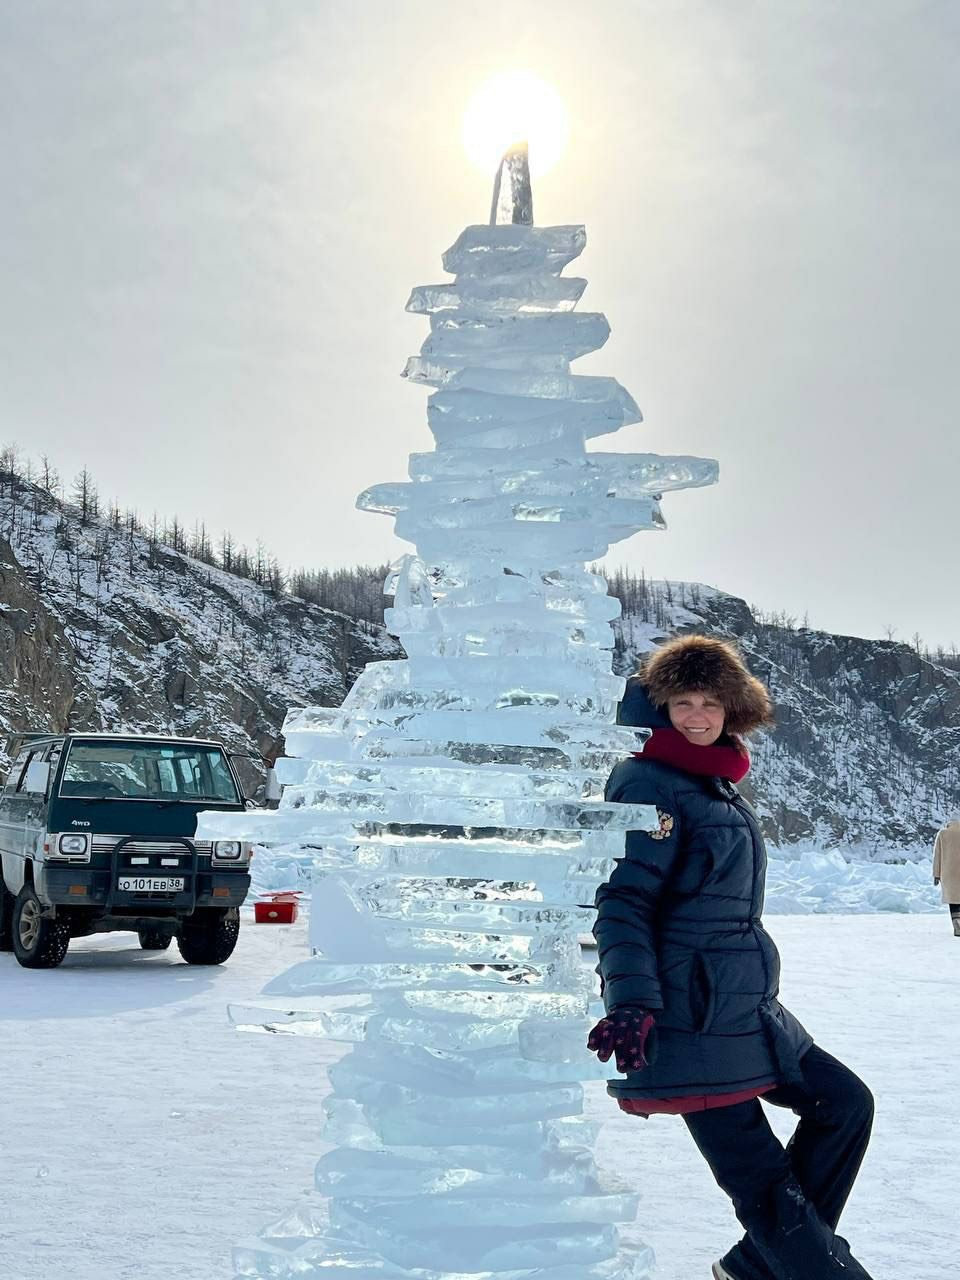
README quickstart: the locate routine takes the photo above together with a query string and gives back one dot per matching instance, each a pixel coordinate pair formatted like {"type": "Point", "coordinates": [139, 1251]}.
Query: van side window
{"type": "Point", "coordinates": [16, 772]}
{"type": "Point", "coordinates": [31, 755]}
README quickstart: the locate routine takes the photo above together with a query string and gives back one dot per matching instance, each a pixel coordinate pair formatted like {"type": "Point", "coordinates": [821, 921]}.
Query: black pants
{"type": "Point", "coordinates": [790, 1200]}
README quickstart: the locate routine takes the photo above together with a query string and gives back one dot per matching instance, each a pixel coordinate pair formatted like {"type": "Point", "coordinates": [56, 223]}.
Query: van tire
{"type": "Point", "coordinates": [38, 942]}
{"type": "Point", "coordinates": [154, 939]}
{"type": "Point", "coordinates": [209, 940]}
{"type": "Point", "coordinates": [6, 917]}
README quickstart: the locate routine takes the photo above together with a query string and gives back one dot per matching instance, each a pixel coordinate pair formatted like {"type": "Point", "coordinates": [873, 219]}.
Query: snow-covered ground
{"type": "Point", "coordinates": [140, 1136]}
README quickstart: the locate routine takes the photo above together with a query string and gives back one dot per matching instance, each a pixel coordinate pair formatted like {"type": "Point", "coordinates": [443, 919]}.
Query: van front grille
{"type": "Point", "coordinates": [138, 848]}
{"type": "Point", "coordinates": [150, 848]}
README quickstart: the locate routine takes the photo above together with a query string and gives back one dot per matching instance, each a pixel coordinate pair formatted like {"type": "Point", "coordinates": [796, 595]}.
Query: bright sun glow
{"type": "Point", "coordinates": [515, 106]}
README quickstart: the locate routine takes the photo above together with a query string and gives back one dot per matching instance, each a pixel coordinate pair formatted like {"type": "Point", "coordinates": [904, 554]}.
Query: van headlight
{"type": "Point", "coordinates": [227, 850]}
{"type": "Point", "coordinates": [71, 845]}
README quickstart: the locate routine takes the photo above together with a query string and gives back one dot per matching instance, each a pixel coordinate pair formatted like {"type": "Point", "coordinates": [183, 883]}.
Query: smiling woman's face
{"type": "Point", "coordinates": [698, 716]}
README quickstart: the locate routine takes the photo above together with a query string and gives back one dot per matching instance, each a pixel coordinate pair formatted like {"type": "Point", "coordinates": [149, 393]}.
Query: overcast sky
{"type": "Point", "coordinates": [212, 215]}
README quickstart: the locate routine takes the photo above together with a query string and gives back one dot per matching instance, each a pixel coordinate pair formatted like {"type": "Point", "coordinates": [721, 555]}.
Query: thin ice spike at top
{"type": "Point", "coordinates": [512, 193]}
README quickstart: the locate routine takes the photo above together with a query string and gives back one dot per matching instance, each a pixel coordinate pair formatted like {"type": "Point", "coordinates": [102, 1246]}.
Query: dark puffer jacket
{"type": "Point", "coordinates": [678, 931]}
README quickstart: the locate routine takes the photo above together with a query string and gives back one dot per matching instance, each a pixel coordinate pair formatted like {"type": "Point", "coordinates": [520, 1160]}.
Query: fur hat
{"type": "Point", "coordinates": [702, 663]}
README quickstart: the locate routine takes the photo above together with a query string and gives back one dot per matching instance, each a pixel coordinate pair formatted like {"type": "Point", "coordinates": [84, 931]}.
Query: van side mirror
{"type": "Point", "coordinates": [272, 788]}
{"type": "Point", "coordinates": [38, 775]}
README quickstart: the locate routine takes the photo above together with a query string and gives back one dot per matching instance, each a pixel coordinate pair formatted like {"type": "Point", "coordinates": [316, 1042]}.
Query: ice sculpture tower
{"type": "Point", "coordinates": [454, 805]}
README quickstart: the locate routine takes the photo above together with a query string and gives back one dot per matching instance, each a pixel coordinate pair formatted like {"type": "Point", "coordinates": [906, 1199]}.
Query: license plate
{"type": "Point", "coordinates": [150, 884]}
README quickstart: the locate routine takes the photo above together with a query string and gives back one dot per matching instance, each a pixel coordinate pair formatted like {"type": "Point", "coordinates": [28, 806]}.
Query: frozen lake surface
{"type": "Point", "coordinates": [140, 1136]}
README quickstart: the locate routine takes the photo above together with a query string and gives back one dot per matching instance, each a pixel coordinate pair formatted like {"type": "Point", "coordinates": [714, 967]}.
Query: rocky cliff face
{"type": "Point", "coordinates": [100, 629]}
{"type": "Point", "coordinates": [37, 676]}
{"type": "Point", "coordinates": [865, 755]}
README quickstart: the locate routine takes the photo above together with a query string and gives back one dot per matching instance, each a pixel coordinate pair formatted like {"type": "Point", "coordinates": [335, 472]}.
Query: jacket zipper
{"type": "Point", "coordinates": [756, 841]}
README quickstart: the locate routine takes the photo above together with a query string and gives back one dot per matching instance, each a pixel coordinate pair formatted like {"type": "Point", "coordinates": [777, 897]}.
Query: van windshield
{"type": "Point", "coordinates": [147, 771]}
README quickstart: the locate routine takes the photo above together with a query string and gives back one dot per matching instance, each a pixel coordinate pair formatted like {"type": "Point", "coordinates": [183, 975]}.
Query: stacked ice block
{"type": "Point", "coordinates": [455, 807]}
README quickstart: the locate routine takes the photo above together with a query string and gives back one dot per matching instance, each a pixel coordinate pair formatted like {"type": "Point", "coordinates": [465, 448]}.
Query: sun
{"type": "Point", "coordinates": [515, 106]}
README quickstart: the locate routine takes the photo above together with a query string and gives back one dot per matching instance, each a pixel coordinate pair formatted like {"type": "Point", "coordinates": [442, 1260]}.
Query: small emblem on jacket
{"type": "Point", "coordinates": [666, 826]}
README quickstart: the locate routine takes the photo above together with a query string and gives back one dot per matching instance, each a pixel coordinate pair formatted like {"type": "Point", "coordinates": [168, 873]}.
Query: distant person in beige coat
{"type": "Point", "coordinates": [946, 868]}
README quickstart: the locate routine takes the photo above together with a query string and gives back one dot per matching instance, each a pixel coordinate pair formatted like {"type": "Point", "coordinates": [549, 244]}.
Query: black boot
{"type": "Point", "coordinates": [737, 1265]}
{"type": "Point", "coordinates": [847, 1263]}
{"type": "Point", "coordinates": [794, 1241]}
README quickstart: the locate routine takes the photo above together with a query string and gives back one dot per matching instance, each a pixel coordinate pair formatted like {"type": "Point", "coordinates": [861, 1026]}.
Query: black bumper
{"type": "Point", "coordinates": [217, 889]}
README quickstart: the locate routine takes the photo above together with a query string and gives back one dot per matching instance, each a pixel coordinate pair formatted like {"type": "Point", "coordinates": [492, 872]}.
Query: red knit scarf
{"type": "Point", "coordinates": [671, 747]}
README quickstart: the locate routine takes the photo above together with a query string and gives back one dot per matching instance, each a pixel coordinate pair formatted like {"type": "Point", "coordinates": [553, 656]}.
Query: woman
{"type": "Point", "coordinates": [946, 868]}
{"type": "Point", "coordinates": [690, 978]}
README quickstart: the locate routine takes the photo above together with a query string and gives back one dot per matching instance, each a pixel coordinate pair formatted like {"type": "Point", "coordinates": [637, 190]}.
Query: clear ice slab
{"type": "Point", "coordinates": [512, 250]}
{"type": "Point", "coordinates": [481, 298]}
{"type": "Point", "coordinates": [470, 342]}
{"type": "Point", "coordinates": [331, 1258]}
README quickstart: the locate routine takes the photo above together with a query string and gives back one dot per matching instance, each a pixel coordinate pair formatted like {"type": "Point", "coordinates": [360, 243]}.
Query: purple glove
{"type": "Point", "coordinates": [628, 1033]}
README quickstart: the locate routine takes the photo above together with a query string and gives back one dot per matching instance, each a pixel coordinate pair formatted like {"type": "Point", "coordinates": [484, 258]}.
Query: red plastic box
{"type": "Point", "coordinates": [281, 908]}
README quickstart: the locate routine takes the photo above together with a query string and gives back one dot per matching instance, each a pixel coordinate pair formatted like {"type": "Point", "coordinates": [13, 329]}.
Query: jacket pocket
{"type": "Point", "coordinates": [703, 993]}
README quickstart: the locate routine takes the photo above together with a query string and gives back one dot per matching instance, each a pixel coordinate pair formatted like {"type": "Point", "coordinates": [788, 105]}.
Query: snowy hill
{"type": "Point", "coordinates": [102, 627]}
{"type": "Point", "coordinates": [866, 752]}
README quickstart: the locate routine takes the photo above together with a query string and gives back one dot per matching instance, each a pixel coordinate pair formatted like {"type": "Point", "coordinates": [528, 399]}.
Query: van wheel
{"type": "Point", "coordinates": [209, 941]}
{"type": "Point", "coordinates": [38, 942]}
{"type": "Point", "coordinates": [154, 939]}
{"type": "Point", "coordinates": [6, 917]}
